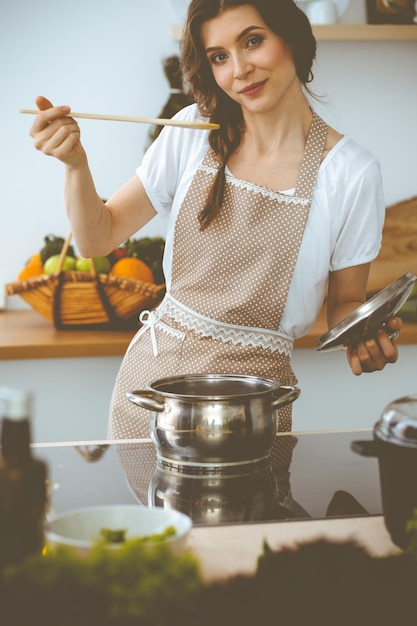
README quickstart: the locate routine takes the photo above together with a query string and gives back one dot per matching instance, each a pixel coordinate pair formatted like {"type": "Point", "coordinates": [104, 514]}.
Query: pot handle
{"type": "Point", "coordinates": [365, 448]}
{"type": "Point", "coordinates": [284, 395]}
{"type": "Point", "coordinates": [145, 399]}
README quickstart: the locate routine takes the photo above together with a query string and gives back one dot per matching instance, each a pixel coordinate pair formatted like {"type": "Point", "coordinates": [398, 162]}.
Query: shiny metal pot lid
{"type": "Point", "coordinates": [398, 423]}
{"type": "Point", "coordinates": [370, 317]}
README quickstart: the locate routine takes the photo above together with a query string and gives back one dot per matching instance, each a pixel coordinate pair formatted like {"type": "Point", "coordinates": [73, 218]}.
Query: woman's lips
{"type": "Point", "coordinates": [252, 89]}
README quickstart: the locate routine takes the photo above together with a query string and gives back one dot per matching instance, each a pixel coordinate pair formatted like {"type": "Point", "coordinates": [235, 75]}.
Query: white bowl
{"type": "Point", "coordinates": [81, 528]}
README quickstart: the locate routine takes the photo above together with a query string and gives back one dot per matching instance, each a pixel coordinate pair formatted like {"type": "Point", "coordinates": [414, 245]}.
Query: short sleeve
{"type": "Point", "coordinates": [170, 162]}
{"type": "Point", "coordinates": [357, 229]}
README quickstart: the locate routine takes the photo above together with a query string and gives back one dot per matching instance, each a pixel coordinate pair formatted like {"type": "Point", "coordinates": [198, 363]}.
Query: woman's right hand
{"type": "Point", "coordinates": [56, 134]}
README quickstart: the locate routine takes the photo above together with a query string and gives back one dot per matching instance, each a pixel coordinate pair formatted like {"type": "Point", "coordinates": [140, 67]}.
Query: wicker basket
{"type": "Point", "coordinates": [82, 300]}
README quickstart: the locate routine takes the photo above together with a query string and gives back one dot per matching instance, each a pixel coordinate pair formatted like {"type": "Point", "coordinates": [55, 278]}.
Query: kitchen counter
{"type": "Point", "coordinates": [330, 579]}
{"type": "Point", "coordinates": [24, 334]}
{"type": "Point", "coordinates": [227, 551]}
{"type": "Point", "coordinates": [321, 490]}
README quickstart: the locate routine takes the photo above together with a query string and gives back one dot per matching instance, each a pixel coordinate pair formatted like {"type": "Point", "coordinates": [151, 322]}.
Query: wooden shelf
{"type": "Point", "coordinates": [351, 32]}
{"type": "Point", "coordinates": [366, 32]}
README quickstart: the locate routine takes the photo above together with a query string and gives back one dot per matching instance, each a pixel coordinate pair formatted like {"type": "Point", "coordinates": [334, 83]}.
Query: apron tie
{"type": "Point", "coordinates": [148, 320]}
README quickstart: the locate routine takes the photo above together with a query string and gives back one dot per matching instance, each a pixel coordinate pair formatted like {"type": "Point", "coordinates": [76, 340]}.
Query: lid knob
{"type": "Point", "coordinates": [398, 423]}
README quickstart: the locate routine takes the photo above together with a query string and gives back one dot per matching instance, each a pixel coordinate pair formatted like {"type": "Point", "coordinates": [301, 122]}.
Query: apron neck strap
{"type": "Point", "coordinates": [312, 158]}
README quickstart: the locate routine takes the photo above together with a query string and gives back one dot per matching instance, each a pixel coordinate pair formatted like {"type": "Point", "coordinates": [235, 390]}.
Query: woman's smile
{"type": "Point", "coordinates": [254, 89]}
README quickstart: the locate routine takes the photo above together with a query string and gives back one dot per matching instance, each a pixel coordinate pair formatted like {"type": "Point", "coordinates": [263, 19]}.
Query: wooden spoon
{"type": "Point", "coordinates": [141, 120]}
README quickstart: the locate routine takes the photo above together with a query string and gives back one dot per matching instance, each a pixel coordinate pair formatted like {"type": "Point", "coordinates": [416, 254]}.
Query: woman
{"type": "Point", "coordinates": [264, 214]}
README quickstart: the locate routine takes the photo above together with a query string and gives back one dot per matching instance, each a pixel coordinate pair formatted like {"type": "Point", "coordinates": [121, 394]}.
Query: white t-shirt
{"type": "Point", "coordinates": [344, 226]}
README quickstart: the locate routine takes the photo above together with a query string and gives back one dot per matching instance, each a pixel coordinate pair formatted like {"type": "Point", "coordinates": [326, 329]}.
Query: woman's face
{"type": "Point", "coordinates": [250, 63]}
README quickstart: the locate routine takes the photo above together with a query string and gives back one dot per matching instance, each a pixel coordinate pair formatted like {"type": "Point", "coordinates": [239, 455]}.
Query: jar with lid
{"type": "Point", "coordinates": [23, 486]}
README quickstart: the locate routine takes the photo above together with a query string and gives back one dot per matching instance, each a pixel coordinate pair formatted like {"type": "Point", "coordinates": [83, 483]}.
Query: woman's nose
{"type": "Point", "coordinates": [241, 68]}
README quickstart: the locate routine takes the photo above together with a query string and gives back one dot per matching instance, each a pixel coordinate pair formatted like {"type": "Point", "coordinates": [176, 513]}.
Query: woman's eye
{"type": "Point", "coordinates": [218, 58]}
{"type": "Point", "coordinates": [255, 40]}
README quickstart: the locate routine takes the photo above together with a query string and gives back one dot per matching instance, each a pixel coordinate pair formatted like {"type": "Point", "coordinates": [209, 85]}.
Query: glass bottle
{"type": "Point", "coordinates": [23, 487]}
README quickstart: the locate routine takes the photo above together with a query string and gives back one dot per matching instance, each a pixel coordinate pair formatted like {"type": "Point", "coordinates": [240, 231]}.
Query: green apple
{"type": "Point", "coordinates": [51, 264]}
{"type": "Point", "coordinates": [101, 263]}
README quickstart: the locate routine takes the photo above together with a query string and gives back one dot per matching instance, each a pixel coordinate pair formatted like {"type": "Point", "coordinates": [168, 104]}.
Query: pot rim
{"type": "Point", "coordinates": [270, 384]}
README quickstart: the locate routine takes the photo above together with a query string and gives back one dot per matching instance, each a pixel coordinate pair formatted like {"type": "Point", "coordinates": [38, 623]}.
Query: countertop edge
{"type": "Point", "coordinates": [24, 334]}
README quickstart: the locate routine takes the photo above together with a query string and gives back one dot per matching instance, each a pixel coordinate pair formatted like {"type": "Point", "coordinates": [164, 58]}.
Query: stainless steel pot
{"type": "Point", "coordinates": [202, 419]}
{"type": "Point", "coordinates": [394, 444]}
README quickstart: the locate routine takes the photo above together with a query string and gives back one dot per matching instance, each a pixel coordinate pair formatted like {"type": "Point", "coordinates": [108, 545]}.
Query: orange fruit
{"type": "Point", "coordinates": [133, 268]}
{"type": "Point", "coordinates": [33, 267]}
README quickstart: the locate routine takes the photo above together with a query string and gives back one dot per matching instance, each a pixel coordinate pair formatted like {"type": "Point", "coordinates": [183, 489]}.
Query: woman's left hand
{"type": "Point", "coordinates": [373, 354]}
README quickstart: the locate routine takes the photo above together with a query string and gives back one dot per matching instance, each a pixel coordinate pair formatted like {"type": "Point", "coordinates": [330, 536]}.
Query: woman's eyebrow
{"type": "Point", "coordinates": [240, 36]}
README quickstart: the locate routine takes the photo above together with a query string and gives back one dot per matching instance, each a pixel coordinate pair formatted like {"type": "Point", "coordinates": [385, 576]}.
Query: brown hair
{"type": "Point", "coordinates": [289, 22]}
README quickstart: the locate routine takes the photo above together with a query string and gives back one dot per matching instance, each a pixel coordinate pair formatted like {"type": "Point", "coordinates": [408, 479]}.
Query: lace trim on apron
{"type": "Point", "coordinates": [244, 335]}
{"type": "Point", "coordinates": [207, 327]}
{"type": "Point", "coordinates": [263, 191]}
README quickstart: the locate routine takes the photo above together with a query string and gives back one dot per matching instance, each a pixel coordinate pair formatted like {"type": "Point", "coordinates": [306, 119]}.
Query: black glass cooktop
{"type": "Point", "coordinates": [308, 476]}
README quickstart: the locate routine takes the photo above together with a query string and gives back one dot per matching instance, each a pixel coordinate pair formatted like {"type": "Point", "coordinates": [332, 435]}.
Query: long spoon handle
{"type": "Point", "coordinates": [140, 120]}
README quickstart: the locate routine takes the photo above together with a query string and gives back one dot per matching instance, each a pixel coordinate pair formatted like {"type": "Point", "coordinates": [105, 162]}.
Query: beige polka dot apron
{"type": "Point", "coordinates": [229, 289]}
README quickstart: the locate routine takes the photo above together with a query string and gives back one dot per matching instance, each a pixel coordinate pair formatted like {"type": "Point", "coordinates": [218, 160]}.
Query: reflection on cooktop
{"type": "Point", "coordinates": [245, 493]}
{"type": "Point", "coordinates": [259, 492]}
{"type": "Point", "coordinates": [308, 476]}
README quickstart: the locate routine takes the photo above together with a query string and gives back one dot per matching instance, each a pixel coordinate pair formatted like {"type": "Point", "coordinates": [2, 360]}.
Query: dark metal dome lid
{"type": "Point", "coordinates": [398, 423]}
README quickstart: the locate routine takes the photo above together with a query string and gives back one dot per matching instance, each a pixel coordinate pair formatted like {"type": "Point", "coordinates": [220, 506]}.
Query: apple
{"type": "Point", "coordinates": [117, 254]}
{"type": "Point", "coordinates": [101, 264]}
{"type": "Point", "coordinates": [51, 264]}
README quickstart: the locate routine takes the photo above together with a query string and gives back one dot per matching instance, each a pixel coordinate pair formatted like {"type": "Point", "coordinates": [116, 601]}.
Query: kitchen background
{"type": "Point", "coordinates": [103, 56]}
